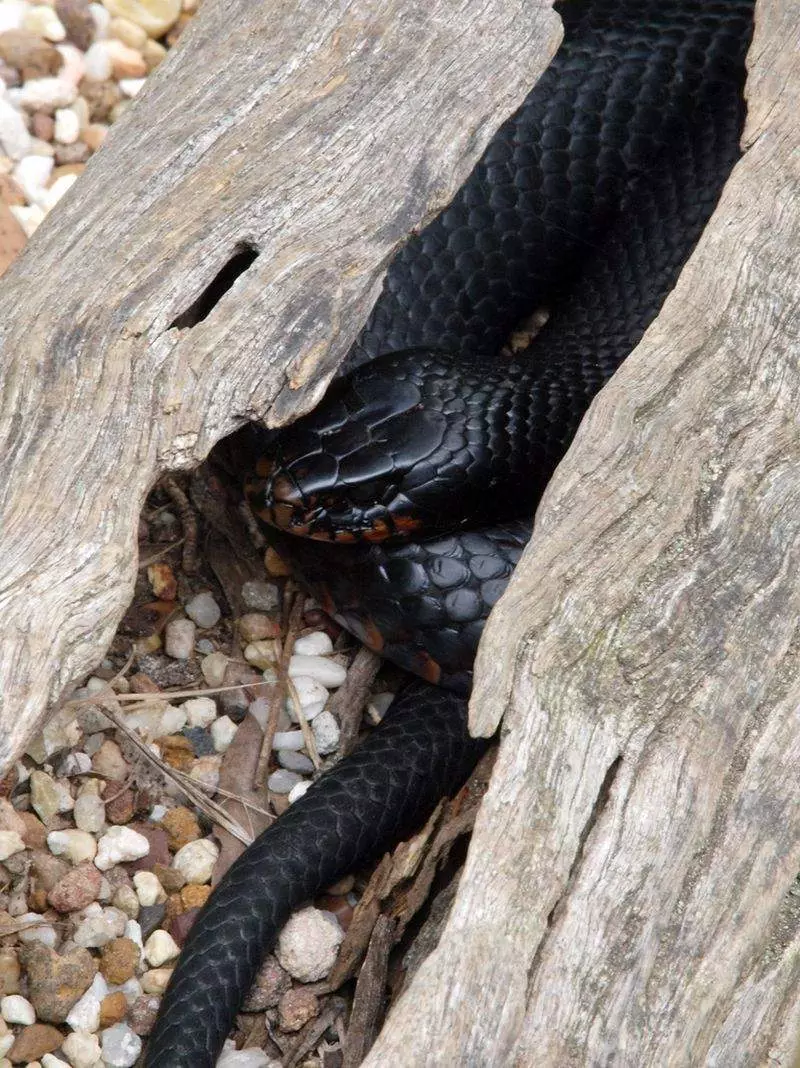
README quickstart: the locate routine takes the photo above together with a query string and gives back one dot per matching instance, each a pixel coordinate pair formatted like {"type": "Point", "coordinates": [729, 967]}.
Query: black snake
{"type": "Point", "coordinates": [585, 205]}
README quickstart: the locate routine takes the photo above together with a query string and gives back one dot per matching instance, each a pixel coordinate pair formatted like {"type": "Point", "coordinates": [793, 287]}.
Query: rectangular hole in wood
{"type": "Point", "coordinates": [243, 257]}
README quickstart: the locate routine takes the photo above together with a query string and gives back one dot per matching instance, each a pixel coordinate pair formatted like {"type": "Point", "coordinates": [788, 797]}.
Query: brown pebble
{"type": "Point", "coordinates": [10, 193]}
{"type": "Point", "coordinates": [113, 1009]}
{"type": "Point", "coordinates": [30, 54]}
{"type": "Point", "coordinates": [275, 565]}
{"type": "Point", "coordinates": [180, 925]}
{"type": "Point", "coordinates": [75, 153]}
{"type": "Point", "coordinates": [195, 896]}
{"type": "Point", "coordinates": [101, 98]}
{"type": "Point", "coordinates": [10, 76]}
{"type": "Point", "coordinates": [162, 581]}
{"type": "Point", "coordinates": [55, 982]}
{"type": "Point", "coordinates": [255, 627]}
{"type": "Point", "coordinates": [170, 878]}
{"type": "Point", "coordinates": [296, 1007]}
{"type": "Point", "coordinates": [119, 959]}
{"type": "Point", "coordinates": [48, 869]}
{"type": "Point", "coordinates": [270, 983]}
{"type": "Point", "coordinates": [94, 135]}
{"type": "Point", "coordinates": [177, 751]}
{"type": "Point", "coordinates": [33, 1042]}
{"type": "Point", "coordinates": [9, 971]}
{"type": "Point", "coordinates": [109, 763]}
{"type": "Point", "coordinates": [77, 20]}
{"type": "Point", "coordinates": [172, 909]}
{"type": "Point", "coordinates": [37, 899]}
{"type": "Point", "coordinates": [141, 683]}
{"type": "Point", "coordinates": [339, 906]}
{"type": "Point", "coordinates": [142, 1015]}
{"type": "Point", "coordinates": [159, 849]}
{"type": "Point", "coordinates": [59, 172]}
{"type": "Point", "coordinates": [181, 826]}
{"type": "Point", "coordinates": [43, 125]}
{"type": "Point", "coordinates": [12, 238]}
{"type": "Point", "coordinates": [120, 808]}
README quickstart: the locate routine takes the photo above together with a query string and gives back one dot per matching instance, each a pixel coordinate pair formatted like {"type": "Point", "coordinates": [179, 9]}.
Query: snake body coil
{"type": "Point", "coordinates": [586, 204]}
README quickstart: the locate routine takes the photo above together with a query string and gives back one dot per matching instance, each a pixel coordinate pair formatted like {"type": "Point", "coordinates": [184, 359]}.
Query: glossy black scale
{"type": "Point", "coordinates": [585, 203]}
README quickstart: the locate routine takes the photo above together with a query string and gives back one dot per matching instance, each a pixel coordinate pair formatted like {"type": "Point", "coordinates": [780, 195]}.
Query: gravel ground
{"type": "Point", "coordinates": [105, 859]}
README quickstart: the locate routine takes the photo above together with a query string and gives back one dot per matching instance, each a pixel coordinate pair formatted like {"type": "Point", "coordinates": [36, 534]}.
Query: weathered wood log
{"type": "Point", "coordinates": [302, 142]}
{"type": "Point", "coordinates": [628, 897]}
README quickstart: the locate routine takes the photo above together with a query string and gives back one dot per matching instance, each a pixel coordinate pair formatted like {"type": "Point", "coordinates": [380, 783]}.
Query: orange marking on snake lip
{"type": "Point", "coordinates": [265, 467]}
{"type": "Point", "coordinates": [283, 489]}
{"type": "Point", "coordinates": [372, 636]}
{"type": "Point", "coordinates": [429, 669]}
{"type": "Point", "coordinates": [405, 524]}
{"type": "Point", "coordinates": [281, 515]}
{"type": "Point", "coordinates": [379, 532]}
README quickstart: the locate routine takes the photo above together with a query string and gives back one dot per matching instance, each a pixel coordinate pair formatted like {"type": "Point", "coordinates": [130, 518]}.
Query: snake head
{"type": "Point", "coordinates": [341, 472]}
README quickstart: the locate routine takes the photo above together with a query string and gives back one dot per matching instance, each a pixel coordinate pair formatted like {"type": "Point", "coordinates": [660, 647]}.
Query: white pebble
{"type": "Point", "coordinates": [179, 637]}
{"type": "Point", "coordinates": [295, 761]}
{"type": "Point", "coordinates": [29, 218]}
{"type": "Point", "coordinates": [6, 1042]}
{"type": "Point", "coordinates": [308, 944]}
{"type": "Point", "coordinates": [160, 948]}
{"type": "Point", "coordinates": [148, 889]}
{"type": "Point", "coordinates": [10, 843]}
{"type": "Point", "coordinates": [231, 1057]}
{"type": "Point", "coordinates": [12, 14]}
{"type": "Point", "coordinates": [133, 930]}
{"type": "Point", "coordinates": [121, 1046]}
{"type": "Point", "coordinates": [102, 20]}
{"type": "Point", "coordinates": [85, 1013]}
{"type": "Point", "coordinates": [260, 596]}
{"type": "Point", "coordinates": [288, 740]}
{"type": "Point", "coordinates": [318, 643]}
{"type": "Point", "coordinates": [326, 733]}
{"type": "Point", "coordinates": [82, 1050]}
{"type": "Point", "coordinates": [47, 94]}
{"type": "Point", "coordinates": [42, 932]}
{"type": "Point", "coordinates": [282, 781]}
{"type": "Point", "coordinates": [204, 610]}
{"type": "Point", "coordinates": [74, 764]}
{"type": "Point", "coordinates": [262, 654]}
{"type": "Point", "coordinates": [90, 813]}
{"type": "Point", "coordinates": [99, 926]}
{"type": "Point", "coordinates": [14, 136]}
{"type": "Point", "coordinates": [298, 790]}
{"type": "Point", "coordinates": [154, 981]}
{"type": "Point", "coordinates": [200, 711]}
{"type": "Point", "coordinates": [131, 988]}
{"type": "Point", "coordinates": [259, 710]}
{"type": "Point", "coordinates": [223, 731]}
{"type": "Point", "coordinates": [379, 705]}
{"type": "Point", "coordinates": [328, 672]}
{"type": "Point", "coordinates": [311, 694]}
{"type": "Point", "coordinates": [131, 86]}
{"type": "Point", "coordinates": [77, 846]}
{"type": "Point", "coordinates": [51, 1061]}
{"type": "Point", "coordinates": [72, 71]}
{"type": "Point", "coordinates": [67, 127]}
{"type": "Point", "coordinates": [97, 62]}
{"type": "Point", "coordinates": [16, 1009]}
{"type": "Point", "coordinates": [213, 667]}
{"type": "Point", "coordinates": [173, 720]}
{"type": "Point", "coordinates": [196, 860]}
{"type": "Point", "coordinates": [32, 174]}
{"type": "Point", "coordinates": [206, 770]}
{"type": "Point", "coordinates": [120, 844]}
{"type": "Point", "coordinates": [43, 21]}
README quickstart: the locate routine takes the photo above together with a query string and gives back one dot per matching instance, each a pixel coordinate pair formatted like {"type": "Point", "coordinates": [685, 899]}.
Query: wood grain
{"type": "Point", "coordinates": [630, 894]}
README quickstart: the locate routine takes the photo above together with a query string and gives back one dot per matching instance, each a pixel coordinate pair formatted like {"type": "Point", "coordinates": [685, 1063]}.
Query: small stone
{"type": "Point", "coordinates": [179, 637]}
{"type": "Point", "coordinates": [39, 932]}
{"type": "Point", "coordinates": [120, 844]}
{"type": "Point", "coordinates": [275, 565]}
{"type": "Point", "coordinates": [196, 860]}
{"type": "Point", "coordinates": [148, 889]}
{"type": "Point", "coordinates": [42, 126]}
{"type": "Point", "coordinates": [46, 94]}
{"type": "Point", "coordinates": [10, 843]}
{"type": "Point", "coordinates": [77, 21]}
{"type": "Point", "coordinates": [119, 960]}
{"type": "Point", "coordinates": [160, 948]}
{"type": "Point", "coordinates": [260, 596]}
{"type": "Point", "coordinates": [154, 54]}
{"type": "Point", "coordinates": [231, 1057]}
{"type": "Point", "coordinates": [296, 1008]}
{"type": "Point", "coordinates": [325, 671]}
{"type": "Point", "coordinates": [128, 32]}
{"type": "Point", "coordinates": [29, 219]}
{"type": "Point", "coordinates": [171, 880]}
{"type": "Point", "coordinates": [16, 1009]}
{"type": "Point", "coordinates": [292, 761]}
{"type": "Point", "coordinates": [177, 751]}
{"type": "Point", "coordinates": [308, 944]}
{"type": "Point", "coordinates": [202, 608]}
{"type": "Point", "coordinates": [213, 667]}
{"type": "Point", "coordinates": [121, 1047]}
{"type": "Point", "coordinates": [200, 740]}
{"type": "Point", "coordinates": [223, 731]}
{"type": "Point", "coordinates": [318, 643]}
{"type": "Point", "coordinates": [101, 94]}
{"type": "Point", "coordinates": [262, 654]}
{"type": "Point", "coordinates": [159, 848]}
{"type": "Point", "coordinates": [206, 770]}
{"type": "Point", "coordinates": [120, 807]}
{"type": "Point", "coordinates": [256, 627]}
{"type": "Point", "coordinates": [282, 781]}
{"type": "Point", "coordinates": [194, 896]}
{"type": "Point", "coordinates": [33, 1042]}
{"type": "Point", "coordinates": [269, 984]}
{"type": "Point", "coordinates": [70, 155]}
{"type": "Point", "coordinates": [85, 1013]}
{"type": "Point", "coordinates": [126, 62]}
{"type": "Point", "coordinates": [49, 1060]}
{"type": "Point", "coordinates": [94, 135]}
{"type": "Point", "coordinates": [126, 901]}
{"type": "Point", "coordinates": [14, 136]}
{"type": "Point", "coordinates": [113, 1009]}
{"type": "Point", "coordinates": [56, 982]}
{"type": "Point", "coordinates": [298, 790]}
{"type": "Point", "coordinates": [32, 56]}
{"type": "Point", "coordinates": [82, 1050]}
{"type": "Point", "coordinates": [75, 845]}
{"type": "Point", "coordinates": [100, 925]}
{"type": "Point", "coordinates": [109, 763]}
{"type": "Point", "coordinates": [293, 740]}
{"type": "Point", "coordinates": [9, 971]}
{"type": "Point", "coordinates": [142, 1014]}
{"type": "Point", "coordinates": [154, 16]}
{"type": "Point", "coordinates": [97, 63]}
{"type": "Point", "coordinates": [77, 889]}
{"type": "Point", "coordinates": [200, 711]}
{"type": "Point", "coordinates": [74, 763]}
{"type": "Point", "coordinates": [89, 813]}
{"type": "Point", "coordinates": [43, 20]}
{"type": "Point", "coordinates": [48, 796]}
{"type": "Point", "coordinates": [326, 733]}
{"type": "Point", "coordinates": [155, 980]}
{"type": "Point", "coordinates": [73, 71]}
{"type": "Point", "coordinates": [67, 127]}
{"type": "Point", "coordinates": [181, 826]}
{"type": "Point", "coordinates": [312, 696]}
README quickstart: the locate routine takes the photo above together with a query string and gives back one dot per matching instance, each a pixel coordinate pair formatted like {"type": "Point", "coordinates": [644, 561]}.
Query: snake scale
{"type": "Point", "coordinates": [417, 476]}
